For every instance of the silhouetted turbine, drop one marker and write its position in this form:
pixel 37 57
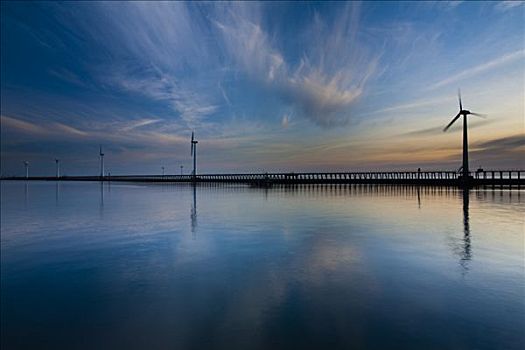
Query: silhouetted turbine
pixel 194 153
pixel 57 170
pixel 101 155
pixel 26 164
pixel 464 113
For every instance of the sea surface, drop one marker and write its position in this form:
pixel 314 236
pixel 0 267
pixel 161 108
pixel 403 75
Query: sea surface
pixel 158 266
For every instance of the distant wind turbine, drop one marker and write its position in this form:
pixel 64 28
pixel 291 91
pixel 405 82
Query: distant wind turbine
pixel 101 155
pixel 194 153
pixel 57 161
pixel 26 164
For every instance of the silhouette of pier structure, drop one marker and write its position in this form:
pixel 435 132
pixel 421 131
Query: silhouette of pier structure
pixel 436 178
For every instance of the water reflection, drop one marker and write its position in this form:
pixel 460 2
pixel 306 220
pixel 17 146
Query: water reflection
pixel 193 212
pixel 57 192
pixel 466 254
pixel 283 267
pixel 26 193
pixel 101 202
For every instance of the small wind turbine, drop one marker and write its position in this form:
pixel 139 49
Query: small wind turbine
pixel 162 170
pixel 101 155
pixel 181 167
pixel 57 162
pixel 194 153
pixel 26 164
pixel 464 113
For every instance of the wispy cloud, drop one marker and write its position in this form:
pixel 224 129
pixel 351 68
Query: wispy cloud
pixel 68 76
pixel 48 129
pixel 470 72
pixel 500 152
pixel 325 82
pixel 508 142
pixel 140 123
pixel 152 49
pixel 191 107
pixel 285 120
pixel 508 5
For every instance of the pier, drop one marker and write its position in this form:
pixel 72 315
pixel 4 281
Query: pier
pixel 436 178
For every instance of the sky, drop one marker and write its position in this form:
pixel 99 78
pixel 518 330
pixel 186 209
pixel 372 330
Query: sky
pixel 269 86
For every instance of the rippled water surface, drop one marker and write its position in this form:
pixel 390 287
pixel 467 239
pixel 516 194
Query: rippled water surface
pixel 130 266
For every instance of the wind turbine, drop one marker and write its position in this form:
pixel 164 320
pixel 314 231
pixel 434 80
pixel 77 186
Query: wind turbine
pixel 101 155
pixel 464 113
pixel 162 170
pixel 194 153
pixel 57 161
pixel 26 164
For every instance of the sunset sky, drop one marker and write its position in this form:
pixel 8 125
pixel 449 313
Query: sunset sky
pixel 266 86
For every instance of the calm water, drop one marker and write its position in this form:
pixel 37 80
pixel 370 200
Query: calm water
pixel 91 266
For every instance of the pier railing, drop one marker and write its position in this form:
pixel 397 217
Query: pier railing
pixel 480 177
pixel 428 177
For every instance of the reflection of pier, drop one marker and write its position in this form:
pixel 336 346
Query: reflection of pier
pixel 437 178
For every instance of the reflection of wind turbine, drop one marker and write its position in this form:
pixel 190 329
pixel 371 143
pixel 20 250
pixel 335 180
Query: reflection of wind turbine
pixel 26 164
pixel 194 153
pixel 101 155
pixel 101 204
pixel 57 192
pixel 466 253
pixel 464 113
pixel 193 214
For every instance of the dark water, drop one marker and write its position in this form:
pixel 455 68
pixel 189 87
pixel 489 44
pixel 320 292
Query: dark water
pixel 86 266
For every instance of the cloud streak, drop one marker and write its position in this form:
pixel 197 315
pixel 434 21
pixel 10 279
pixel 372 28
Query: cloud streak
pixel 325 82
pixel 50 129
pixel 468 73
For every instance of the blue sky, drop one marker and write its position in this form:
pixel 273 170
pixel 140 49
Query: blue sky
pixel 278 86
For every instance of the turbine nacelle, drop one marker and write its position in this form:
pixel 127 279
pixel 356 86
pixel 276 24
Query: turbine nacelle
pixel 462 112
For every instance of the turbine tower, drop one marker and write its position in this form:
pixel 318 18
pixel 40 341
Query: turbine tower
pixel 101 155
pixel 57 162
pixel 26 164
pixel 464 113
pixel 194 153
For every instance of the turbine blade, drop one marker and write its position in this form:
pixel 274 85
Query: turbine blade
pixel 459 98
pixel 192 136
pixel 452 122
pixel 484 116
